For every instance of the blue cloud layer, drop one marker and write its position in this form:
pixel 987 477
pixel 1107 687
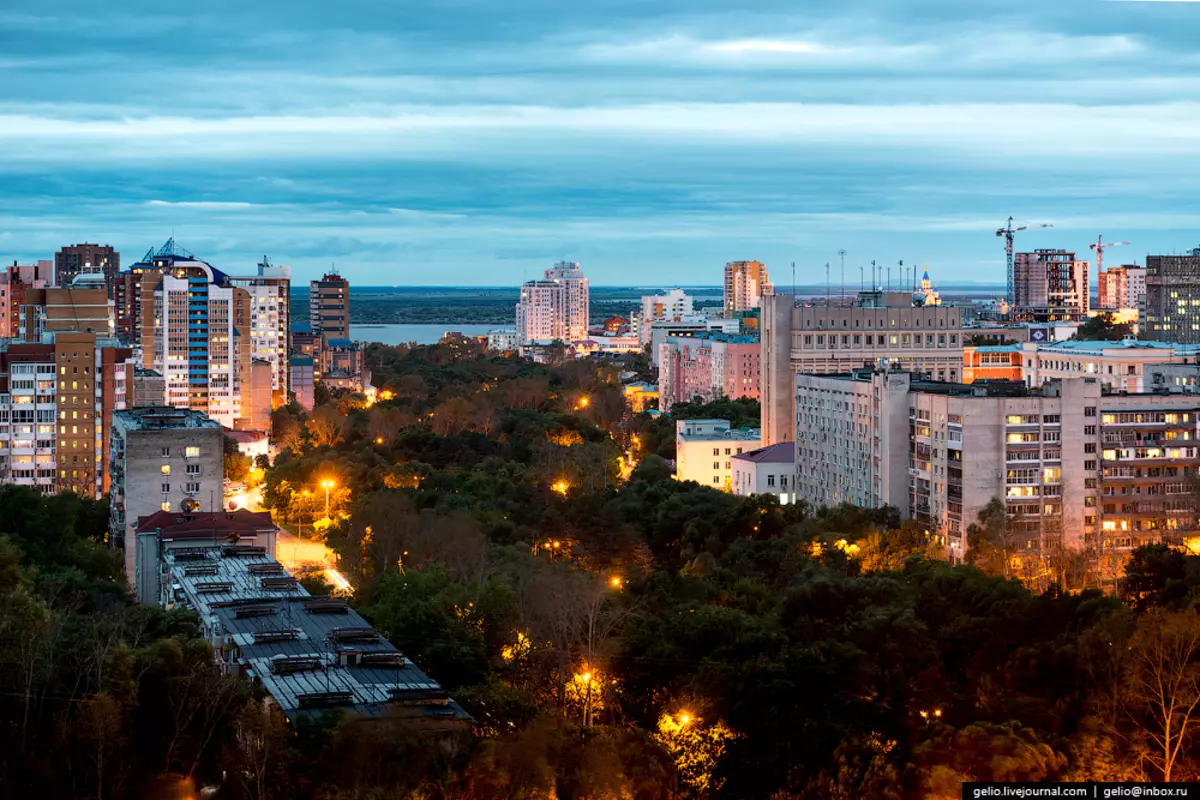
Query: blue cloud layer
pixel 470 142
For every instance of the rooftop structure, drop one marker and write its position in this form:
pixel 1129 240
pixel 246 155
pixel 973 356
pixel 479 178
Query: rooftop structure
pixel 704 450
pixel 767 470
pixel 312 654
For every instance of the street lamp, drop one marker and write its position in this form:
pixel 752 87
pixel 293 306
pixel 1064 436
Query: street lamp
pixel 327 484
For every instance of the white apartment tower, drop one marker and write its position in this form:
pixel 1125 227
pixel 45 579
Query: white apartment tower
pixel 673 306
pixel 269 323
pixel 745 283
pixel 555 308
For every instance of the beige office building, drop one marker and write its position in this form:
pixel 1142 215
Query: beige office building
pixel 884 326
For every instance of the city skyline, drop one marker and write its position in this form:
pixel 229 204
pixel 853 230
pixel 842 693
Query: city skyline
pixel 476 149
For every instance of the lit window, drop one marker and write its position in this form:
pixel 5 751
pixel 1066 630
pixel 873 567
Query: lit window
pixel 166 469
pixel 166 505
pixel 191 452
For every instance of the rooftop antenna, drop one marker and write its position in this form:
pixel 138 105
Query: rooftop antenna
pixel 827 284
pixel 860 278
pixel 889 269
pixel 842 255
pixel 793 281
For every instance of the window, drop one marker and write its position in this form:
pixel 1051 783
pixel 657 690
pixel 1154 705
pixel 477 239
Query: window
pixel 1089 465
pixel 716 451
pixel 716 465
pixel 166 488
pixel 166 505
pixel 193 469
pixel 192 488
pixel 1089 447
pixel 165 452
pixel 166 469
pixel 728 451
pixel 770 480
pixel 191 452
pixel 1089 411
pixel 1089 430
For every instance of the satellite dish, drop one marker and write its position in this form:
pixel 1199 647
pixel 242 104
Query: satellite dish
pixel 190 504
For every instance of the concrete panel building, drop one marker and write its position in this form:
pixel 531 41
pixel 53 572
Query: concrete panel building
pixel 1173 298
pixel 885 326
pixel 708 366
pixel 162 459
pixel 1077 469
pixel 672 306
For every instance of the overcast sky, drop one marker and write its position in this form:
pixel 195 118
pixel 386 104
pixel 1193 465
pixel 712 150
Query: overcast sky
pixel 470 142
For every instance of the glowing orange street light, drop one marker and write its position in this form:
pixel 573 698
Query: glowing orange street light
pixel 379 440
pixel 615 581
pixel 583 403
pixel 685 718
pixel 560 486
pixel 327 485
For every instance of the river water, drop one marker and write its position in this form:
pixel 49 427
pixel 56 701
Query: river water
pixel 421 334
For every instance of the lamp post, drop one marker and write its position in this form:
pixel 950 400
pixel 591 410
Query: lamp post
pixel 303 508
pixel 327 484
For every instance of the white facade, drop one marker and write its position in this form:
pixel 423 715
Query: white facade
pixel 556 308
pixel 704 451
pixel 269 292
pixel 673 306
pixel 503 340
pixel 767 470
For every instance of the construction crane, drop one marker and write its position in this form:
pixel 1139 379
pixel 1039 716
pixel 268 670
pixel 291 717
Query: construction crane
pixel 1008 232
pixel 1099 246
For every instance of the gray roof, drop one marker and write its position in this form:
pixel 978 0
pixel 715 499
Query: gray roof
pixel 781 453
pixel 309 653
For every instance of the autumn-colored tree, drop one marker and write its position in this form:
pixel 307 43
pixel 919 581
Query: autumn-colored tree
pixel 326 427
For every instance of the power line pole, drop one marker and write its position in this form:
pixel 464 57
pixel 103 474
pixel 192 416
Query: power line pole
pixel 842 255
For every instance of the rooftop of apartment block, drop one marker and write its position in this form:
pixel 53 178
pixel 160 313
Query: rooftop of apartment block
pixel 781 453
pixel 159 417
pixel 310 653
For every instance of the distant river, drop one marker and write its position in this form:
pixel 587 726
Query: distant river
pixel 421 334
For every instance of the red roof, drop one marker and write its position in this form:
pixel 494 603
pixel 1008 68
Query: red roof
pixel 207 524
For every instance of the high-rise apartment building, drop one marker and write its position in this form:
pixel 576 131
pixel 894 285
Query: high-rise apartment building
pixel 80 306
pixel 745 284
pixel 1173 298
pixel 555 308
pixel 1077 469
pixel 329 306
pixel 77 258
pixel 673 306
pixel 55 398
pixel 15 282
pixel 162 459
pixel 199 348
pixel 884 327
pixel 269 292
pixel 1051 283
pixel 1122 287
pixel 201 329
